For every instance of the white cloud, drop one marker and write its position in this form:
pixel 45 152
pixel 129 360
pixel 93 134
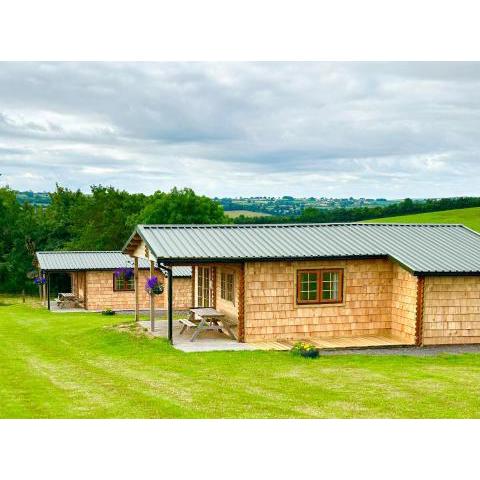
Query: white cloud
pixel 344 129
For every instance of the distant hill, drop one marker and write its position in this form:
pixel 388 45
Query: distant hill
pixel 291 206
pixel 246 213
pixel 34 198
pixel 470 217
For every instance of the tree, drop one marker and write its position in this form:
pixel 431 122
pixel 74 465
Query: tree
pixel 19 232
pixel 181 207
pixel 100 221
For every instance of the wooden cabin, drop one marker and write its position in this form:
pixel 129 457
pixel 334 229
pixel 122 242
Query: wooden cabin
pixel 417 283
pixel 94 284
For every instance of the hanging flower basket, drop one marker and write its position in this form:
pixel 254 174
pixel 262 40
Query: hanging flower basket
pixel 124 273
pixel 153 286
pixel 40 280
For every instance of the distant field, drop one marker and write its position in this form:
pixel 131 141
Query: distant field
pixel 470 217
pixel 247 213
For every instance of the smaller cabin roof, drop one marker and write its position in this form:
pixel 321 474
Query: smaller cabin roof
pixel 95 260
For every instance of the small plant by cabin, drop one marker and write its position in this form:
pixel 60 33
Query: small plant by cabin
pixel 306 350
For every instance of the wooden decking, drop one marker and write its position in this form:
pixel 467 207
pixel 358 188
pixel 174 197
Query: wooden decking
pixel 211 340
pixel 336 342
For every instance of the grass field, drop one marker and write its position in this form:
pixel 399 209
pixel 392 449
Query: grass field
pixel 59 365
pixel 470 217
pixel 247 213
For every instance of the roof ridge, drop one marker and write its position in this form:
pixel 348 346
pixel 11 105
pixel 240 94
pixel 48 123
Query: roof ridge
pixel 80 251
pixel 289 225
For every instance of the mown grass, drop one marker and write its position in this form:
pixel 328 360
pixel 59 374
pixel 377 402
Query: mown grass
pixel 470 217
pixel 56 365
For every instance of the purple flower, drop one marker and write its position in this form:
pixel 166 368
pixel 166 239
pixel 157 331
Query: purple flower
pixel 152 282
pixel 153 286
pixel 125 273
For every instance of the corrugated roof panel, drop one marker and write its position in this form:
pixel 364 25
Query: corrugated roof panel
pixel 423 248
pixel 182 271
pixel 92 260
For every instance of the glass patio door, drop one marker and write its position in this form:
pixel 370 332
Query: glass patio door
pixel 204 287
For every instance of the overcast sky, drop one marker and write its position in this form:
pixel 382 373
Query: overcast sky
pixel 243 129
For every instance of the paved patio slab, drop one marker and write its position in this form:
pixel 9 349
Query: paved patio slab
pixel 207 341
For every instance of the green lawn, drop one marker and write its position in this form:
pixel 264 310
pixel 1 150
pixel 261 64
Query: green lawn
pixel 470 217
pixel 76 366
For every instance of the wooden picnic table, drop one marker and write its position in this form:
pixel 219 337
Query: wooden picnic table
pixel 210 319
pixel 67 300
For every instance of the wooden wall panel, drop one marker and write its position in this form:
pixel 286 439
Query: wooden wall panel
pixel 271 311
pixel 451 310
pixel 101 294
pixel 229 309
pixel 404 304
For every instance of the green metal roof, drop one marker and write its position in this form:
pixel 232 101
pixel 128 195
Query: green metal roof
pixel 421 248
pixel 95 260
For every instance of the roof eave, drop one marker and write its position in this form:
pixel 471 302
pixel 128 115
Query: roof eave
pixel 125 249
pixel 446 274
pixel 195 260
pixel 137 232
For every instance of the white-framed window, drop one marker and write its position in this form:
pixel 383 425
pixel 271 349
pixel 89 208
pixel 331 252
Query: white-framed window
pixel 227 291
pixel 203 287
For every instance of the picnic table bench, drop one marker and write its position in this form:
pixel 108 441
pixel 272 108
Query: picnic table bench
pixel 67 300
pixel 204 319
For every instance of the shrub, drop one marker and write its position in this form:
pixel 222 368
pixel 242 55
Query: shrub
pixel 306 350
pixel 108 311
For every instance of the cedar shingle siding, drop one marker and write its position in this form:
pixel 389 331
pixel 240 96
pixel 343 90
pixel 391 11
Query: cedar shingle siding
pixel 271 311
pixel 451 310
pixel 380 297
pixel 100 293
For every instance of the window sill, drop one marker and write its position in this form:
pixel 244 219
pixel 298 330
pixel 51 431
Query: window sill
pixel 319 305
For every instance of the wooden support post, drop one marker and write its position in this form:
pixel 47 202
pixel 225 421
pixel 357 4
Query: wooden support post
pixel 43 288
pixel 213 273
pixel 193 285
pixel 85 292
pixel 152 299
pixel 241 303
pixel 40 286
pixel 419 318
pixel 137 290
pixel 170 305
pixel 48 290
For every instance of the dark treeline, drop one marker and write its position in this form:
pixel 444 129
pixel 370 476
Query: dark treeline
pixel 101 220
pixel 104 219
pixel 405 207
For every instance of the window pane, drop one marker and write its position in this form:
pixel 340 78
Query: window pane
pixel 226 291
pixel 203 286
pixel 229 280
pixel 330 287
pixel 308 286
